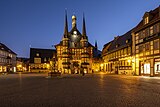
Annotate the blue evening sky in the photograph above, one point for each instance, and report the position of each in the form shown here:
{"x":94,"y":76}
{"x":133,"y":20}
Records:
{"x":40,"y":23}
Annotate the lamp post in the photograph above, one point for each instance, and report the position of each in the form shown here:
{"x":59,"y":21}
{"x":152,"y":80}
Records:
{"x":52,"y":64}
{"x":131,"y":61}
{"x":101,"y":67}
{"x":53,"y":72}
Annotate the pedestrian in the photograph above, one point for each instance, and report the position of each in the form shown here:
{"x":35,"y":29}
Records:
{"x":92,"y":71}
{"x":83,"y":73}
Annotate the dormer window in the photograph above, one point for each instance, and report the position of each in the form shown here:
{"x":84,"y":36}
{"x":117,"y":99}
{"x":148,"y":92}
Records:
{"x":146,"y":20}
{"x":127,"y":40}
{"x":45,"y":59}
{"x":37,"y":54}
{"x":151,"y":30}
{"x":117,"y":45}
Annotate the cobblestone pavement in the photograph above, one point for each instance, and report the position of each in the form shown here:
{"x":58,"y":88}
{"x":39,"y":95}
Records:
{"x":97,"y":90}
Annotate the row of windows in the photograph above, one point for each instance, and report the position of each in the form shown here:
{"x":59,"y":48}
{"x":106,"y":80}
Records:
{"x":2,"y":60}
{"x":124,"y":64}
{"x":84,"y":59}
{"x":147,"y":32}
{"x":65,"y":60}
{"x":45,"y":59}
{"x":74,"y":51}
{"x":120,"y":53}
{"x":76,"y":57}
{"x":152,"y":45}
{"x":39,"y":66}
{"x":4,"y":53}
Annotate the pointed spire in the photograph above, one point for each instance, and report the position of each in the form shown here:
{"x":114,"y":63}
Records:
{"x":96,"y":47}
{"x":84,"y":27}
{"x":66,"y":25}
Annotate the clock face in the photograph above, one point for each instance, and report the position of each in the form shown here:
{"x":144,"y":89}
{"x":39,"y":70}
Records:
{"x":75,"y":32}
{"x":75,"y":38}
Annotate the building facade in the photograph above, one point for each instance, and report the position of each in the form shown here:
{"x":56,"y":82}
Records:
{"x":7,"y":59}
{"x":138,"y":51}
{"x":146,"y":44}
{"x":22,"y":64}
{"x":117,"y":55}
{"x":96,"y":60}
{"x":41,"y":60}
{"x":74,"y":52}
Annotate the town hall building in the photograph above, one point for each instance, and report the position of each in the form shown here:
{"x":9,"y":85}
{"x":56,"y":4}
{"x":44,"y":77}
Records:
{"x":74,"y":53}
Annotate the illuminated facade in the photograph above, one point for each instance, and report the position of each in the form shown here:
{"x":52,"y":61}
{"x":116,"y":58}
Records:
{"x":7,"y":59}
{"x":96,"y":60}
{"x":138,"y":51}
{"x":74,"y":52}
{"x":41,"y":59}
{"x":146,"y":44}
{"x":22,"y":64}
{"x":117,"y":55}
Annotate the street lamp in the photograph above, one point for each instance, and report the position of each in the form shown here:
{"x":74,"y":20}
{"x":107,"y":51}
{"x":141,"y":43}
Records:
{"x":52,"y":64}
{"x":101,"y":67}
{"x":131,"y":62}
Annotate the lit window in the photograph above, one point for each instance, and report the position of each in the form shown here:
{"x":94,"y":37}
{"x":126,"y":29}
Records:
{"x":117,"y":45}
{"x":37,"y":60}
{"x":146,"y":20}
{"x":151,"y":30}
{"x":127,"y":41}
{"x":37,"y":54}
{"x":146,"y":32}
{"x":156,"y":45}
{"x":142,"y":34}
{"x":45,"y":59}
{"x":140,"y":48}
{"x":147,"y":46}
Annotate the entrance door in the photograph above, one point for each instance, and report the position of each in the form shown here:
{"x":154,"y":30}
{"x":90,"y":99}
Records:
{"x":75,"y":69}
{"x":116,"y":70}
{"x":146,"y":68}
{"x":157,"y":68}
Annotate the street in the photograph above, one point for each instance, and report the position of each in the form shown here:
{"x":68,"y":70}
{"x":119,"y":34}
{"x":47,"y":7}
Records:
{"x":91,"y":90}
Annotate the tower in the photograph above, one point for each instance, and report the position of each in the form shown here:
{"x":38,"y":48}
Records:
{"x":84,"y":39}
{"x":84,"y":42}
{"x":65,"y":51}
{"x":74,"y":51}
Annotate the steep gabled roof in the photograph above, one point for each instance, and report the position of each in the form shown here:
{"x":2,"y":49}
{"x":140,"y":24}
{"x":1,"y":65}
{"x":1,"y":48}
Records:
{"x":106,"y":48}
{"x":60,"y":44}
{"x":22,"y":59}
{"x":43,"y":53}
{"x":75,"y":29}
{"x":153,"y":16}
{"x":5,"y":48}
{"x":119,"y":42}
